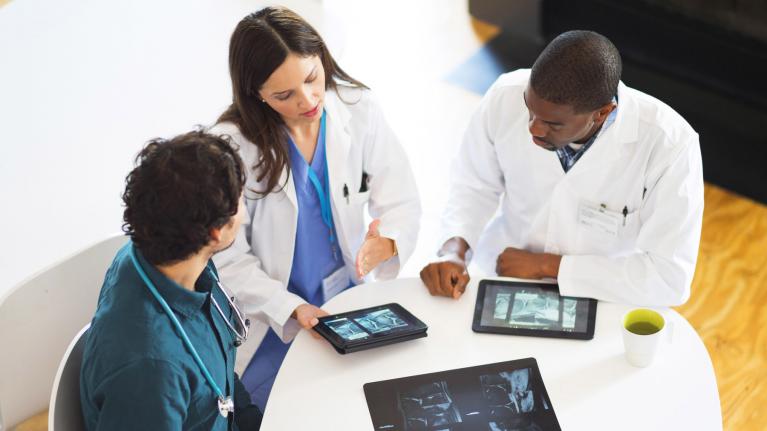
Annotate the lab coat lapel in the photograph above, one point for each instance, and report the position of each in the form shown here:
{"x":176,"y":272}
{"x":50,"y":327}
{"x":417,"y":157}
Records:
{"x":611,"y":144}
{"x":337,"y":146}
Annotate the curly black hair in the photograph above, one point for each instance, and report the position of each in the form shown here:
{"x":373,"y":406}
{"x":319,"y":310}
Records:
{"x":578,"y":68}
{"x":179,"y":190}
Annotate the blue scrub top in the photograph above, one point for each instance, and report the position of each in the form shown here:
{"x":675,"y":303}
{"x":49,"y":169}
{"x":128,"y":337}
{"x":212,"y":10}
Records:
{"x":136,"y":371}
{"x":314,"y":258}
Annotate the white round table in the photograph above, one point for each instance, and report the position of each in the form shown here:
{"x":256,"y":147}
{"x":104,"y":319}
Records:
{"x":590,"y":384}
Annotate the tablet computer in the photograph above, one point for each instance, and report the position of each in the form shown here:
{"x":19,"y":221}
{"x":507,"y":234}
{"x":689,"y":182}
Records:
{"x":532,"y":309}
{"x":370,"y":327}
{"x":500,"y":396}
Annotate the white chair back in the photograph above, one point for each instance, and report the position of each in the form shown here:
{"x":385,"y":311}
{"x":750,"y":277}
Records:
{"x":39,"y":318}
{"x":64,"y":413}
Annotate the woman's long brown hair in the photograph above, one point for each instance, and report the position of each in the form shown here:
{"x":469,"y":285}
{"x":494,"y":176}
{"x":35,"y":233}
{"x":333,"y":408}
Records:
{"x":259,"y":45}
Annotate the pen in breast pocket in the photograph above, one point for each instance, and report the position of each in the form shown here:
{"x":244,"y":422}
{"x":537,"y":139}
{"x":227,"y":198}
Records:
{"x":625,"y":213}
{"x":346,"y":193}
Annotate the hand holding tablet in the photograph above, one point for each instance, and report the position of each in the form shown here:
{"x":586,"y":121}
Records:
{"x":370,"y":327}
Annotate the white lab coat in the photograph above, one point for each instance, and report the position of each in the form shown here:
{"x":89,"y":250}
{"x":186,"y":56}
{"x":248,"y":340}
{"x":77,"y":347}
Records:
{"x":648,"y":161}
{"x":257,"y":267}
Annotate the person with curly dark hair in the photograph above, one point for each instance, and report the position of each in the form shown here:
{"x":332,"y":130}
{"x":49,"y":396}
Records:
{"x":161,"y":348}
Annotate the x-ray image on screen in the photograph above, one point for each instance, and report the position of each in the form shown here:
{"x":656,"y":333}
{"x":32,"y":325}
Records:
{"x":504,"y":396}
{"x":569,"y":311}
{"x":501,"y":305}
{"x":511,"y":400}
{"x":380,"y":321}
{"x":346,"y":329}
{"x":428,"y":406}
{"x":535,"y":308}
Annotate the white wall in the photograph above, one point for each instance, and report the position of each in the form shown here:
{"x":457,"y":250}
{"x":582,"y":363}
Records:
{"x":85,"y":83}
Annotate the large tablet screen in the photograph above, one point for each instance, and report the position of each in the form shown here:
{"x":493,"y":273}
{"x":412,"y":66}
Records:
{"x":532,"y":309}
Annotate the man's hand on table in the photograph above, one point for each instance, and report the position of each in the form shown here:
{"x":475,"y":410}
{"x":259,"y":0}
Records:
{"x":447,"y":278}
{"x":514,"y":262}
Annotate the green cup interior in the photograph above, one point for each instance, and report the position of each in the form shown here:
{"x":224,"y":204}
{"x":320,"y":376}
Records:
{"x":643,"y":315}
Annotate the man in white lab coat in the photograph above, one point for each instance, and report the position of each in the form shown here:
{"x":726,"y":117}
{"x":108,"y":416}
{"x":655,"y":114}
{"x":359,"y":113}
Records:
{"x":600,"y":185}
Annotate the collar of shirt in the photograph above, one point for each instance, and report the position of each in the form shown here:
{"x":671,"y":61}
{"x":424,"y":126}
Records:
{"x":570,"y":153}
{"x":181,"y":300}
{"x":301,"y":167}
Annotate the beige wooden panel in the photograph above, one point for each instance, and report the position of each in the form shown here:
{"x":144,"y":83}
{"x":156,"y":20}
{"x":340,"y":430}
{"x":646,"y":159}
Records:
{"x":728,"y":306}
{"x":38,"y":422}
{"x":484,"y":31}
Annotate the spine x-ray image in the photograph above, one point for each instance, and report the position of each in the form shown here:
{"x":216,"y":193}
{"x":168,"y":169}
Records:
{"x":507,"y":396}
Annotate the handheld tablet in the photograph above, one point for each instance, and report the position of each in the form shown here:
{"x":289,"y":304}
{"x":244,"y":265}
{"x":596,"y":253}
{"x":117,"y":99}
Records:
{"x":501,"y":396}
{"x":370,"y":327}
{"x":532,"y":309}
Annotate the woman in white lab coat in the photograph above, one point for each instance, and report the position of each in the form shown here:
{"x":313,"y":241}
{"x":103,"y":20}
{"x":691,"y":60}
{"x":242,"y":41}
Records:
{"x":320,"y":152}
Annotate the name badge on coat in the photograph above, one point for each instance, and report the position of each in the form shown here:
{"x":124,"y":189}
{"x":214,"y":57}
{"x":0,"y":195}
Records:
{"x":335,"y":283}
{"x":599,"y":219}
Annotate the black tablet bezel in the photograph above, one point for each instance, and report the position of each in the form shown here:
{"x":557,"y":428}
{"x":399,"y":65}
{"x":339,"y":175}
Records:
{"x":478,"y":327}
{"x":378,"y":392}
{"x":414,"y":327}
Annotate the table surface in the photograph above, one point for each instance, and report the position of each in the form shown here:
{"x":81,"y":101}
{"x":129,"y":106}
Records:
{"x":590,"y":384}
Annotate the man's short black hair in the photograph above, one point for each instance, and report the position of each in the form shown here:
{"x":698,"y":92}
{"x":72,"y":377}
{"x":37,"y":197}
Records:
{"x":578,"y":68}
{"x":179,"y":190}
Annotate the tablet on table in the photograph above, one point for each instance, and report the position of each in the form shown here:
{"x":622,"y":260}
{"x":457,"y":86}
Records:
{"x":370,"y":327}
{"x":532,"y":309}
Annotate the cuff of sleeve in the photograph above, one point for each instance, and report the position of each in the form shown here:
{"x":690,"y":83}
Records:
{"x":388,"y":269}
{"x":279,"y":310}
{"x":565,"y":278}
{"x":574,"y":278}
{"x":470,"y":239}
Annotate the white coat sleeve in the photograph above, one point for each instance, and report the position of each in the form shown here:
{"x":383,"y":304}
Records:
{"x":661,"y":272}
{"x":477,"y":180}
{"x":259,"y":296}
{"x":393,"y":193}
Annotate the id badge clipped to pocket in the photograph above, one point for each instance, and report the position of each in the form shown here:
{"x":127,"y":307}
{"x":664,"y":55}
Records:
{"x":599,"y":219}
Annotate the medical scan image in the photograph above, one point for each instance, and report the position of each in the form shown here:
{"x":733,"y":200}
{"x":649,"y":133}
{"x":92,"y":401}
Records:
{"x":532,"y":308}
{"x":510,"y":399}
{"x":428,"y":407}
{"x":380,"y":321}
{"x":539,"y":309}
{"x":347,"y":329}
{"x":493,"y":397}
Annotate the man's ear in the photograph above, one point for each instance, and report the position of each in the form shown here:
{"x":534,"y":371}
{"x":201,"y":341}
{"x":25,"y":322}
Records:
{"x":215,"y":235}
{"x":604,"y":111}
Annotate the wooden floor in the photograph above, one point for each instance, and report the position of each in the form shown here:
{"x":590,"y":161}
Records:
{"x":728,"y":306}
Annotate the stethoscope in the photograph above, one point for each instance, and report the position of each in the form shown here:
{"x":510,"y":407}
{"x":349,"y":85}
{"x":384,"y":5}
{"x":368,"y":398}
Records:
{"x":225,"y":403}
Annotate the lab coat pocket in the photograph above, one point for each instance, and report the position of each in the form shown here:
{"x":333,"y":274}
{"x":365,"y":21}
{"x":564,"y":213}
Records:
{"x":629,"y":231}
{"x":606,"y":232}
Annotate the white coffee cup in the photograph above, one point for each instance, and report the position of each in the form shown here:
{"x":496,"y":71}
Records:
{"x":642,"y":331}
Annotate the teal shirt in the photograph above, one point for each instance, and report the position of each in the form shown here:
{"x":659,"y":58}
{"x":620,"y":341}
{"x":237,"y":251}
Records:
{"x":136,"y":371}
